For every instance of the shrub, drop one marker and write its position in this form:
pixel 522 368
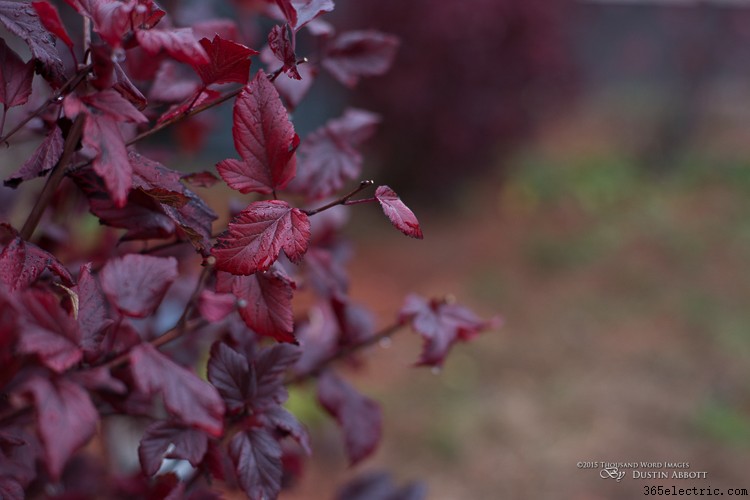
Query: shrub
pixel 96 328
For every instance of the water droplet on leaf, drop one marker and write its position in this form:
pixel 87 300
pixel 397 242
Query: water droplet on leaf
pixel 118 55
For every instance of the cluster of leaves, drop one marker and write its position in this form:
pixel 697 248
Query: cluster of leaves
pixel 87 336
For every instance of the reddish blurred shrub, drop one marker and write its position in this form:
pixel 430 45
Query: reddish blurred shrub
pixel 473 78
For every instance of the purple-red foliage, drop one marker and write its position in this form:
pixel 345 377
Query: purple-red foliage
pixel 115 323
pixel 473 78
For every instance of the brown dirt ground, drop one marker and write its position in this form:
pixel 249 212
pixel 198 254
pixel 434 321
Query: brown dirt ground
pixel 625 339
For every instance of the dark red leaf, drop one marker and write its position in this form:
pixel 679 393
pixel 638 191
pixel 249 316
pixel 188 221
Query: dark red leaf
pixel 229 61
pixel 149 17
pixel 320 28
pixel 194 401
pixel 143 216
pixel 167 440
pixel 157 180
pixel 161 213
pixel 171 85
pixel 441 324
pixel 307 10
pixel 41 160
pixel 15 77
pixel 22 20
pixel 142 66
pixel 102 60
pixel 177 42
pixel 271 364
pixel 194 220
pixel 257 461
pixel 265 303
pixel 283 48
pixel 356 322
pixel 66 419
pixel 325 271
pixel 126 88
pixel 102 134
pixel 48 331
pixel 257 235
pixel 111 103
pixel 399 214
pixel 229 372
pixel 328 157
pixel 301 12
pixel 355 126
pixel 99 379
pixel 20 451
pixel 10 489
pixel 264 138
pixel 136 284
pixel 111 19
pixel 318 336
pixel 50 19
pixel 359 416
pixel 280 418
pixel 94 316
pixel 293 91
pixel 203 179
pixel 288 10
pixel 355 54
pixel 216 306
pixel 119 339
pixel 21 263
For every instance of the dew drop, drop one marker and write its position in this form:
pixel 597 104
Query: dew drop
pixel 241 303
pixel 118 55
pixel 436 370
pixel 59 98
pixel 385 342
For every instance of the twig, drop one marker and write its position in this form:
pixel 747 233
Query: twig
pixel 344 200
pixel 346 351
pixel 273 76
pixel 164 246
pixel 194 111
pixel 58 172
pixel 55 97
pixel 179 327
pixel 2 120
pixel 183 116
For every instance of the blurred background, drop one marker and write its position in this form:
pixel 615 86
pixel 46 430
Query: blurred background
pixel 583 169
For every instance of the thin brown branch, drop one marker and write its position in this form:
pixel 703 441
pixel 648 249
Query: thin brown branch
pixel 54 98
pixel 183 116
pixel 55 177
pixel 344 200
pixel 164 246
pixel 179 327
pixel 273 76
pixel 345 352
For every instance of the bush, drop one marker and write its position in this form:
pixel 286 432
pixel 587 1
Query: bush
pixel 114 323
